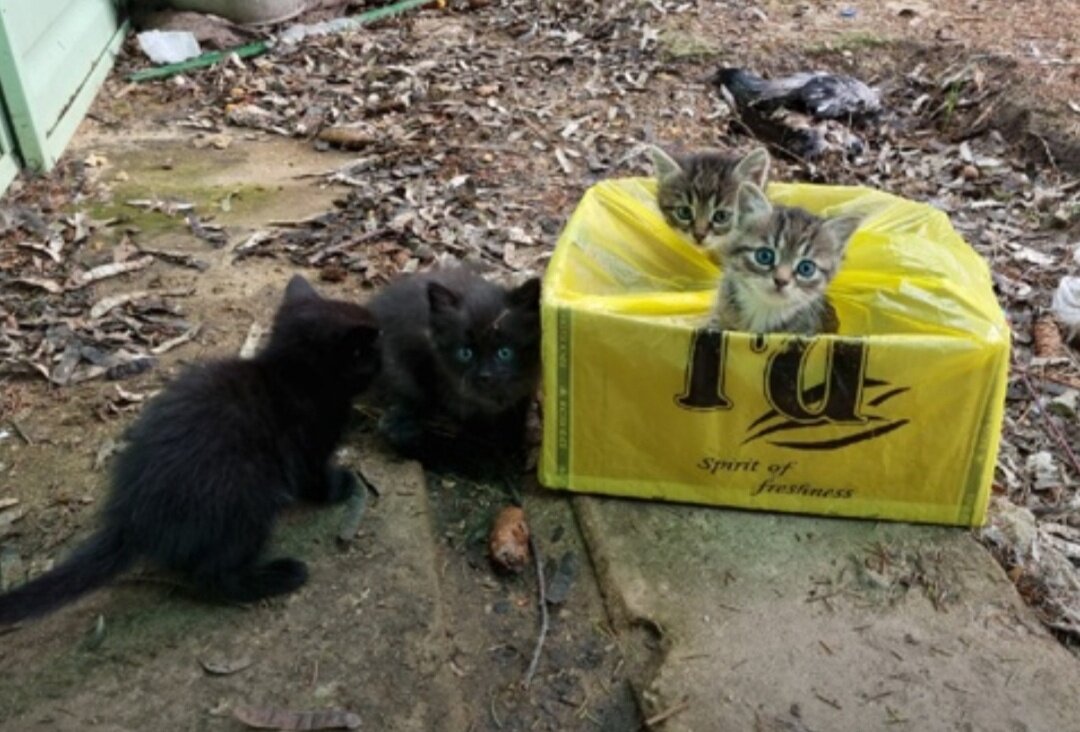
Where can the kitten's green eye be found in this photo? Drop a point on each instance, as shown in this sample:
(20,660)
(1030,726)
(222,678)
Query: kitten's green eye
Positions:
(765,257)
(684,213)
(721,216)
(504,354)
(464,354)
(806,269)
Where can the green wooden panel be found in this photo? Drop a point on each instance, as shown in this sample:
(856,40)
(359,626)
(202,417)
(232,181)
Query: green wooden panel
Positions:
(54,54)
(32,19)
(9,163)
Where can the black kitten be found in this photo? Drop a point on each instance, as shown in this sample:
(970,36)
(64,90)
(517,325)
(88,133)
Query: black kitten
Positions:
(215,457)
(459,353)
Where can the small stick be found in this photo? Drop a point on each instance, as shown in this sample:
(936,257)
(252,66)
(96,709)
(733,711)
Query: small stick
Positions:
(543,614)
(21,433)
(831,702)
(1049,424)
(668,713)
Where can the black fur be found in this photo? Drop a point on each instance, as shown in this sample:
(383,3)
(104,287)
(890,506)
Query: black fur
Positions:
(440,404)
(214,458)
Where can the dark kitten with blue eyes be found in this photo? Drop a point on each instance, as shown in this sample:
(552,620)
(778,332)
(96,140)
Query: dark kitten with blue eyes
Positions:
(214,458)
(461,361)
(778,262)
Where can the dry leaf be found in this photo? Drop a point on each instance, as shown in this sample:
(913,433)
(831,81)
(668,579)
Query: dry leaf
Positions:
(509,542)
(1047,338)
(284,719)
(347,138)
(82,279)
(225,667)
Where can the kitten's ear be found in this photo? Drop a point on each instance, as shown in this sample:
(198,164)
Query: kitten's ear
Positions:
(750,204)
(441,299)
(525,296)
(300,289)
(664,166)
(840,230)
(754,167)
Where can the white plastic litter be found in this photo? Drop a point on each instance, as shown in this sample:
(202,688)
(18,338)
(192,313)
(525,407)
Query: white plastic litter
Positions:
(1067,305)
(169,47)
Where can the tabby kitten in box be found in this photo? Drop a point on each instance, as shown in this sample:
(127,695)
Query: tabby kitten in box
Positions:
(778,261)
(696,192)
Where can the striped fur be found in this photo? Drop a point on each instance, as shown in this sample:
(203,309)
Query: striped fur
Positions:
(778,262)
(696,193)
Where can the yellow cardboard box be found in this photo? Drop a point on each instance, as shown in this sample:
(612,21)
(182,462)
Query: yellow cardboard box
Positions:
(896,417)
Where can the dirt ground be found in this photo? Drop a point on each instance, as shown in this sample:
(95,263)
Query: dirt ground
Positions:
(528,103)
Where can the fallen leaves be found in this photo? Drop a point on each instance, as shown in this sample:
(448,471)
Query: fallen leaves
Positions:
(109,303)
(1047,339)
(225,666)
(53,322)
(509,540)
(292,721)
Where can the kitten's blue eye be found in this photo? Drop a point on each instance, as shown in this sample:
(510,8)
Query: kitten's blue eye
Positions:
(721,216)
(805,269)
(504,354)
(464,354)
(684,213)
(765,257)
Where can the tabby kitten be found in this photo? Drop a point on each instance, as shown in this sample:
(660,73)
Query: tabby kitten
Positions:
(218,454)
(461,360)
(696,192)
(778,262)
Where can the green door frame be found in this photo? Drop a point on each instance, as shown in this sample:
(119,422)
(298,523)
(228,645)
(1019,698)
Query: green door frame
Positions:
(39,140)
(9,161)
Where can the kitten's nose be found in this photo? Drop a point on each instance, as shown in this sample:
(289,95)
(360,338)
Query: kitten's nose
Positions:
(782,277)
(485,378)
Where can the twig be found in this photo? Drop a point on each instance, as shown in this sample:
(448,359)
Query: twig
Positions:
(831,702)
(494,714)
(329,251)
(1049,424)
(21,433)
(543,614)
(668,713)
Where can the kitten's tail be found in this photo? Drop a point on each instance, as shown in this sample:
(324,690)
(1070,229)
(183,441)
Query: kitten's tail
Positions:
(103,556)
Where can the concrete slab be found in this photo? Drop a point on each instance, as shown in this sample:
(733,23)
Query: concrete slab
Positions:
(367,634)
(796,623)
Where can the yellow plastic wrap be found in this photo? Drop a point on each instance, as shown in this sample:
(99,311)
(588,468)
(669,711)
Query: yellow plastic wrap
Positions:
(898,416)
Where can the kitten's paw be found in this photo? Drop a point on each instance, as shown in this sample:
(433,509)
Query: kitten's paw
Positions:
(281,576)
(401,428)
(341,484)
(253,583)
